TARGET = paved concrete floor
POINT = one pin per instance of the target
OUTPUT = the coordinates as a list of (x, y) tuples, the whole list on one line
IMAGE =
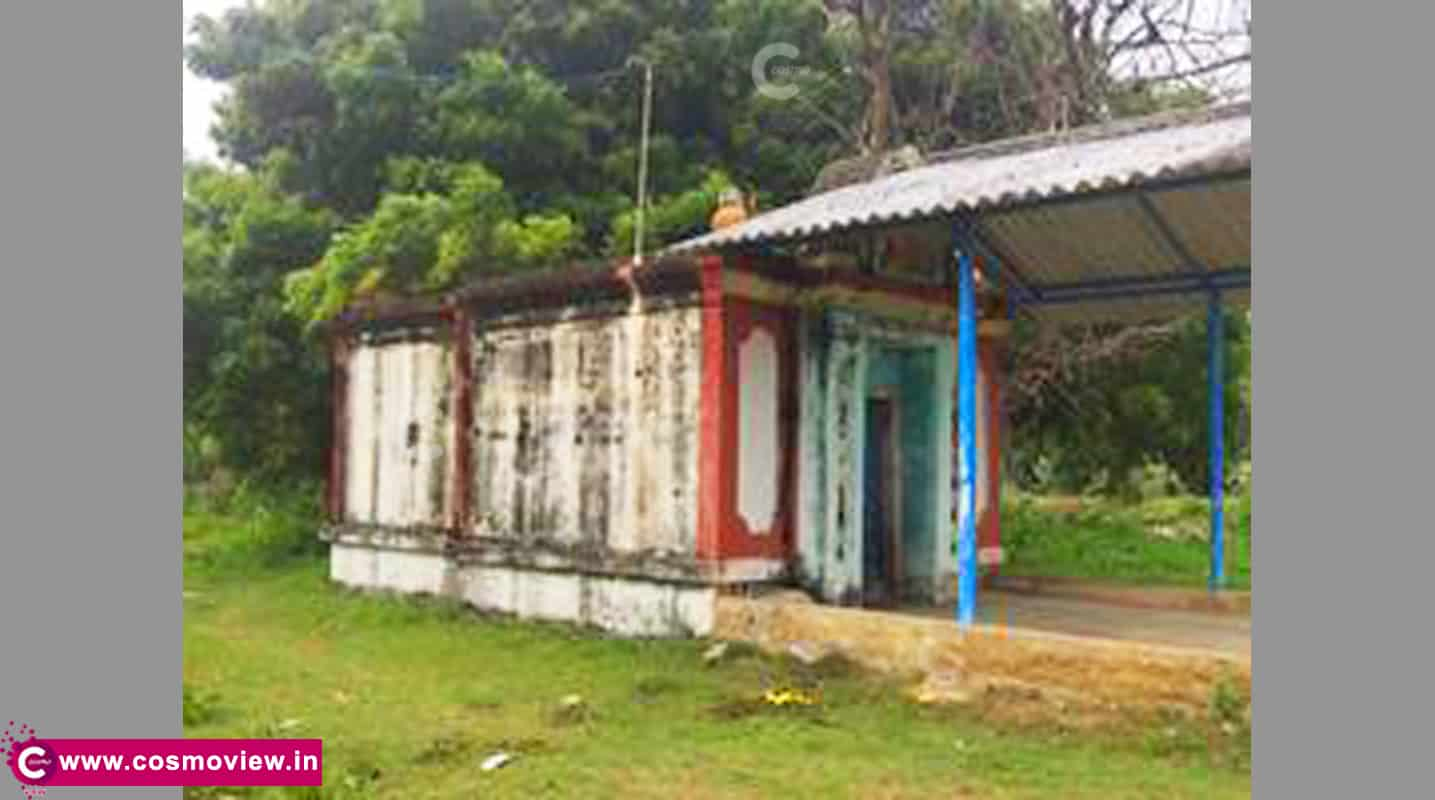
[(1229, 633)]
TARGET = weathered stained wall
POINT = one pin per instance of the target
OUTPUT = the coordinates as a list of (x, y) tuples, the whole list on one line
[(840, 562), (397, 444), (623, 606), (585, 431), (845, 354), (579, 441)]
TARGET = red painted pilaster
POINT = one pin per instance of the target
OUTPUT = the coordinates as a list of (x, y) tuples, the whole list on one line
[(736, 540), (461, 487), (989, 526), (713, 480), (338, 446)]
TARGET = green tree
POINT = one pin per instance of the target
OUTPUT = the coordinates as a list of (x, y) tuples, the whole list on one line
[(1091, 408), (426, 241), (251, 382)]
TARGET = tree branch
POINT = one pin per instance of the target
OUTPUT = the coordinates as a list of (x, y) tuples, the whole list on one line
[(1202, 69)]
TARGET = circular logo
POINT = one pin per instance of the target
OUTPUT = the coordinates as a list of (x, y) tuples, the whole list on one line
[(765, 85), (34, 762)]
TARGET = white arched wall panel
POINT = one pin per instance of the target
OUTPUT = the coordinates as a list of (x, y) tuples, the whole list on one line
[(758, 444)]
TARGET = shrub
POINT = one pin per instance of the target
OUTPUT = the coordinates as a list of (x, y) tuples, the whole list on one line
[(263, 526)]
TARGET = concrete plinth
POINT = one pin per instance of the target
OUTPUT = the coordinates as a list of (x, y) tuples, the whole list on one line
[(626, 606)]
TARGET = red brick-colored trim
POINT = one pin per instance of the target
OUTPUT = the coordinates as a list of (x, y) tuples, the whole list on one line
[(711, 474), (989, 526), (725, 322), (338, 447), (461, 486), (736, 539)]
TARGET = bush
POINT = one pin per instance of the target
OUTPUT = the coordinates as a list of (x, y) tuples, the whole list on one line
[(1163, 541), (254, 526), (1241, 569), (1229, 712), (1154, 480)]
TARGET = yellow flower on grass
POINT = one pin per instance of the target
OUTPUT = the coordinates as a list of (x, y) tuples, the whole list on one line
[(787, 697)]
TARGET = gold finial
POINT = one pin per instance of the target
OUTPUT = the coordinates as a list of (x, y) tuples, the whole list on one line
[(731, 210)]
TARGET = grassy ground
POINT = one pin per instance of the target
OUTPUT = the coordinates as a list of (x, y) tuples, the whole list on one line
[(410, 696), (1156, 542)]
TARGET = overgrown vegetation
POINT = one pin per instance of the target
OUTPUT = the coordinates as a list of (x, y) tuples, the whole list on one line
[(254, 399), (410, 695), (1123, 412), (1158, 541), (250, 528)]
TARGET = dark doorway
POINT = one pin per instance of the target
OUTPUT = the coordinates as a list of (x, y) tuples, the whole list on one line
[(881, 542)]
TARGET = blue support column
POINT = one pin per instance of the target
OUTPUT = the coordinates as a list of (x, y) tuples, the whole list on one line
[(1216, 378), (966, 439)]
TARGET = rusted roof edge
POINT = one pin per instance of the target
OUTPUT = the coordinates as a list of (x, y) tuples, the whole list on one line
[(575, 282)]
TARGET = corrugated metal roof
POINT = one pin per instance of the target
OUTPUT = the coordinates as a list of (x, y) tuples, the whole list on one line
[(1010, 173), (1114, 205), (1126, 245)]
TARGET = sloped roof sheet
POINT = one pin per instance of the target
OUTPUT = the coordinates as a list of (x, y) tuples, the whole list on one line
[(1120, 206), (1013, 172)]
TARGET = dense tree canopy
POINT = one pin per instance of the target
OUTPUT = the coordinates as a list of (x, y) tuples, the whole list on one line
[(252, 385), (411, 145), (1121, 408)]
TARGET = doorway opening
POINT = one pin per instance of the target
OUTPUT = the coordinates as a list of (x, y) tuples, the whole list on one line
[(882, 503), (902, 447)]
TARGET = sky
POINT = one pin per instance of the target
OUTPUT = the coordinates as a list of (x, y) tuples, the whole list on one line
[(199, 95)]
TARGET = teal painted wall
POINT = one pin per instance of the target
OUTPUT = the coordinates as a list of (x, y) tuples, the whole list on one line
[(911, 371), (847, 364), (922, 437), (844, 354), (812, 453)]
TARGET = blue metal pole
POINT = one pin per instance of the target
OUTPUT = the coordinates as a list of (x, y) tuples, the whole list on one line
[(966, 439), (1216, 378)]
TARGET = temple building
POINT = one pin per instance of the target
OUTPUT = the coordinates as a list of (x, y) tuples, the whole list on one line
[(773, 404)]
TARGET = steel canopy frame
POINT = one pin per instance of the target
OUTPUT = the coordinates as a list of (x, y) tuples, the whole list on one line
[(1136, 288), (1136, 174), (966, 544), (1192, 278), (1216, 378)]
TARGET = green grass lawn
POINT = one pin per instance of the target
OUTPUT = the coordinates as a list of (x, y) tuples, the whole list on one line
[(1111, 541), (410, 696)]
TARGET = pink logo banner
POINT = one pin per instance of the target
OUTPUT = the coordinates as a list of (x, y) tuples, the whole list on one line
[(38, 763)]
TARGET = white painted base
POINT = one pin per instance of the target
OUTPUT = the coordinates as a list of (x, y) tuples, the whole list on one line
[(751, 570), (370, 568), (620, 605)]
